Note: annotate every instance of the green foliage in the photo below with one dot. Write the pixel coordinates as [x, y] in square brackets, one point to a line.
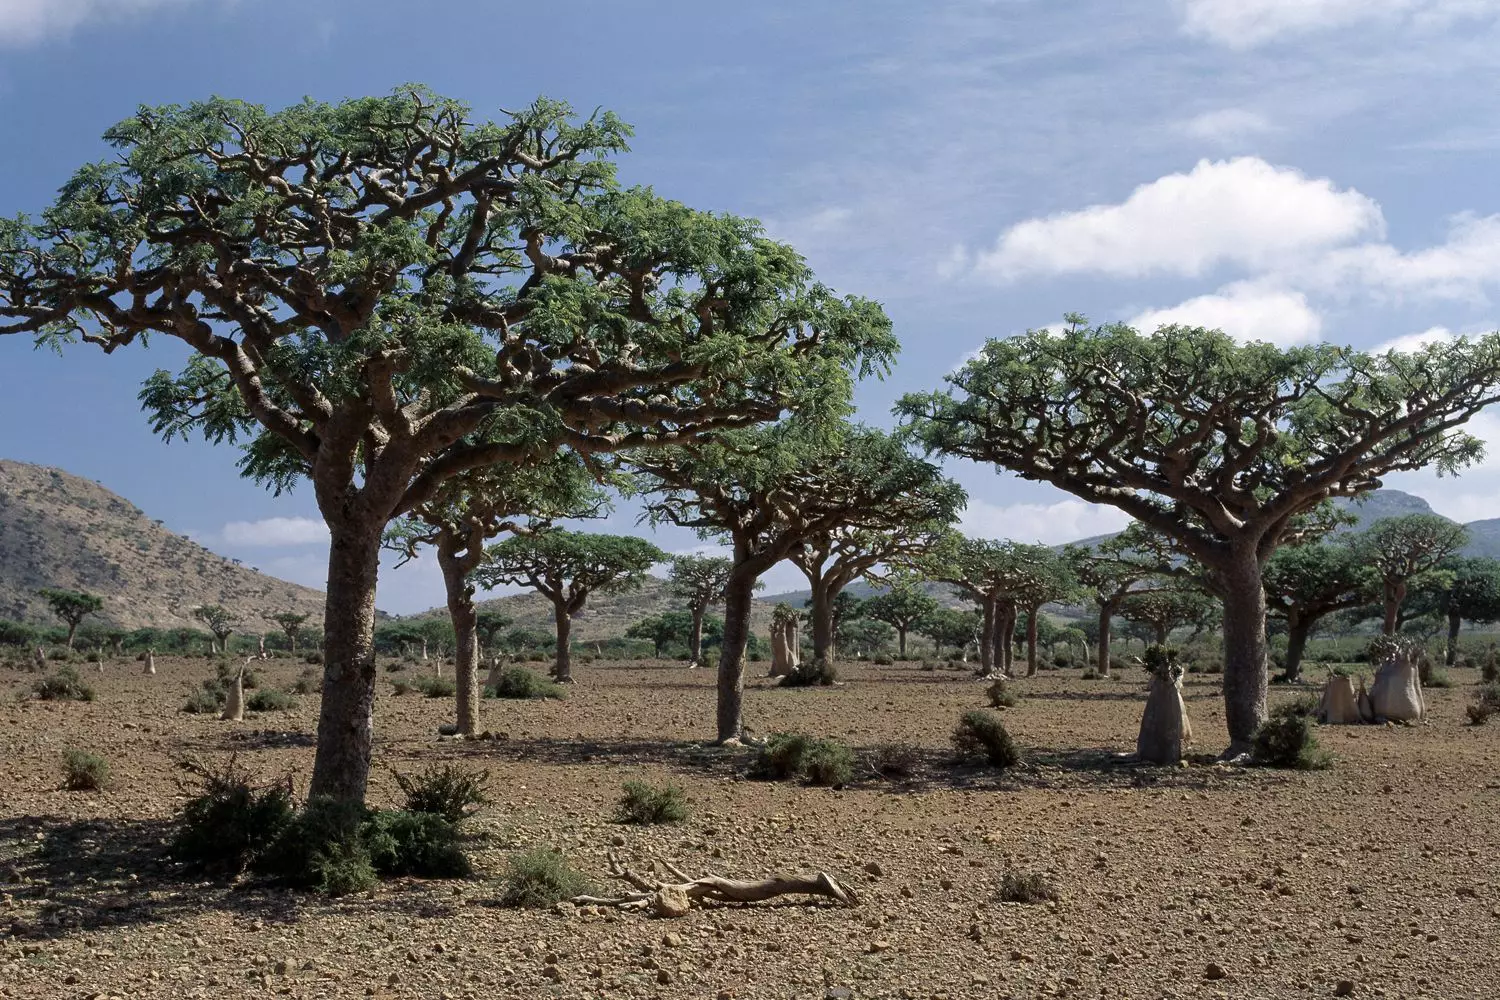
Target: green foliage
[539, 878]
[449, 791]
[644, 804]
[903, 606]
[518, 682]
[63, 684]
[828, 763]
[949, 627]
[433, 686]
[569, 563]
[1288, 741]
[225, 671]
[271, 700]
[84, 771]
[1301, 706]
[1485, 704]
[818, 761]
[219, 619]
[781, 757]
[1000, 695]
[231, 822]
[207, 699]
[982, 734]
[675, 628]
[699, 580]
[812, 673]
[414, 842]
[72, 606]
[1030, 888]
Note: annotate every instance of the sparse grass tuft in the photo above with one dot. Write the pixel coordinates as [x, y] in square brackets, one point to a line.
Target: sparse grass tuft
[644, 804]
[539, 878]
[231, 822]
[449, 791]
[815, 673]
[1030, 888]
[894, 760]
[84, 771]
[1302, 706]
[307, 683]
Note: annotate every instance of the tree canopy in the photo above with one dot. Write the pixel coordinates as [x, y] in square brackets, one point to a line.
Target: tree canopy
[902, 606]
[1306, 583]
[1402, 551]
[71, 606]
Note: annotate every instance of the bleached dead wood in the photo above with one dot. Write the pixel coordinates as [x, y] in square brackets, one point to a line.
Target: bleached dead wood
[674, 899]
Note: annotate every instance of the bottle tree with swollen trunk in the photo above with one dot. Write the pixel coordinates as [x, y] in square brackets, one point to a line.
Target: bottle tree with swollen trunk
[566, 567]
[1306, 583]
[464, 514]
[765, 493]
[383, 293]
[1404, 550]
[1221, 446]
[902, 525]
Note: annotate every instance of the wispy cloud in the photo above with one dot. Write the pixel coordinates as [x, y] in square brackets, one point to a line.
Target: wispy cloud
[1050, 524]
[276, 532]
[1244, 24]
[1228, 126]
[1245, 310]
[26, 22]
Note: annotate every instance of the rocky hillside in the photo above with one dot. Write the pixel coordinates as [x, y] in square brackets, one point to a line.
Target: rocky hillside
[57, 530]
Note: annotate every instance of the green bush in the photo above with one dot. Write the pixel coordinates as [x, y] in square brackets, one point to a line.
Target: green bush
[1486, 703]
[1489, 669]
[539, 878]
[884, 660]
[1302, 706]
[1000, 694]
[340, 868]
[307, 683]
[1289, 742]
[449, 791]
[828, 763]
[402, 687]
[518, 682]
[231, 822]
[644, 804]
[225, 671]
[402, 842]
[781, 757]
[271, 700]
[205, 700]
[894, 760]
[84, 771]
[63, 684]
[982, 734]
[812, 673]
[322, 848]
[1029, 888]
[314, 658]
[436, 687]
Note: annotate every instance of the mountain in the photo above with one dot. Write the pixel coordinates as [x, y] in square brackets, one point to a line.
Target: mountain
[1381, 504]
[57, 530]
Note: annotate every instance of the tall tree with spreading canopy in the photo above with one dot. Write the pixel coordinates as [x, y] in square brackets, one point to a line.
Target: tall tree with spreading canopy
[220, 621]
[1160, 611]
[383, 293]
[1225, 448]
[1306, 583]
[465, 513]
[1471, 593]
[903, 606]
[699, 580]
[902, 525]
[71, 607]
[987, 572]
[291, 623]
[1042, 576]
[566, 567]
[951, 627]
[1402, 551]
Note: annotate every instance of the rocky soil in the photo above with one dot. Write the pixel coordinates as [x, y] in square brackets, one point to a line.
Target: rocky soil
[1374, 879]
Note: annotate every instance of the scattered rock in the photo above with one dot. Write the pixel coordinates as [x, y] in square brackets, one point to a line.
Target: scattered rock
[1215, 971]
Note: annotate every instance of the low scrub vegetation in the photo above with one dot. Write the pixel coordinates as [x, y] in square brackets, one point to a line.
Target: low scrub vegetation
[646, 804]
[814, 673]
[894, 760]
[518, 682]
[1288, 741]
[433, 686]
[1000, 695]
[449, 791]
[1029, 888]
[982, 734]
[271, 700]
[84, 771]
[539, 878]
[63, 684]
[1485, 704]
[796, 755]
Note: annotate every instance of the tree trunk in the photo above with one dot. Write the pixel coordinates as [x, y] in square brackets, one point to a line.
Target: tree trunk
[1296, 641]
[901, 640]
[1106, 616]
[738, 596]
[1031, 664]
[1455, 622]
[72, 628]
[346, 721]
[987, 640]
[291, 638]
[562, 666]
[695, 641]
[466, 638]
[1005, 635]
[1162, 633]
[1245, 671]
[821, 613]
[1395, 593]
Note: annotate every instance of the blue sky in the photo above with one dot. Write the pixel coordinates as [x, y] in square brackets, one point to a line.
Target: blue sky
[1288, 170]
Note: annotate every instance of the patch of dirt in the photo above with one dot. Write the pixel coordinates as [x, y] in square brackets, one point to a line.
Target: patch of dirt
[1200, 881]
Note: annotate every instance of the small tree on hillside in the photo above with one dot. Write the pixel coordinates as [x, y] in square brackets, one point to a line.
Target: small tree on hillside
[489, 626]
[220, 621]
[1306, 583]
[671, 627]
[1223, 447]
[566, 567]
[1401, 551]
[699, 580]
[904, 607]
[291, 623]
[72, 606]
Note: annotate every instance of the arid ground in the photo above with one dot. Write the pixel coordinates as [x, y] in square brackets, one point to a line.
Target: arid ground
[1204, 881]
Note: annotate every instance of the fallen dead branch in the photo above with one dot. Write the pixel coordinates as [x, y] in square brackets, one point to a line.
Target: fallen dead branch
[675, 899]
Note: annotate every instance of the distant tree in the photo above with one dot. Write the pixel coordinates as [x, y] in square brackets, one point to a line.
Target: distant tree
[917, 506]
[904, 606]
[699, 580]
[988, 572]
[1110, 571]
[1306, 583]
[1042, 576]
[1159, 613]
[1468, 591]
[676, 627]
[866, 637]
[526, 640]
[291, 623]
[489, 626]
[72, 606]
[366, 289]
[951, 627]
[220, 621]
[1402, 551]
[1226, 448]
[16, 633]
[567, 567]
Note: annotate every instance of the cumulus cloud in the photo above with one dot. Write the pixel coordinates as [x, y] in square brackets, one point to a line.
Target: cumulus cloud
[25, 22]
[1228, 126]
[1415, 341]
[1051, 524]
[276, 532]
[1246, 311]
[1244, 24]
[1243, 212]
[1459, 268]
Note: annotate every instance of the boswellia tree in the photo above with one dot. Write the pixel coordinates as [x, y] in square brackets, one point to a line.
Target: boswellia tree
[699, 580]
[383, 293]
[1223, 447]
[72, 606]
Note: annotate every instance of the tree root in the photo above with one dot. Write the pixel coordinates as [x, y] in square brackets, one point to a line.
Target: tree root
[675, 899]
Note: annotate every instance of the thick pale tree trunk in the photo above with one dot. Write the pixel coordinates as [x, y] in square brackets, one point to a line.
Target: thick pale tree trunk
[695, 641]
[1297, 631]
[738, 596]
[1245, 670]
[466, 637]
[1395, 593]
[346, 721]
[821, 613]
[1106, 618]
[562, 666]
[987, 639]
[1031, 629]
[1455, 622]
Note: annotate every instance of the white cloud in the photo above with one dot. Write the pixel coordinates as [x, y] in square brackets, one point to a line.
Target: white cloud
[1228, 126]
[1243, 211]
[1414, 341]
[276, 532]
[1244, 24]
[1051, 524]
[24, 22]
[1246, 311]
[1459, 268]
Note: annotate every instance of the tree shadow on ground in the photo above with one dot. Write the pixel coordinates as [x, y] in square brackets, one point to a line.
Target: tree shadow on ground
[70, 876]
[679, 756]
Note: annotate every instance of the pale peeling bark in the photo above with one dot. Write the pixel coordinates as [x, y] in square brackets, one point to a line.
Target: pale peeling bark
[675, 899]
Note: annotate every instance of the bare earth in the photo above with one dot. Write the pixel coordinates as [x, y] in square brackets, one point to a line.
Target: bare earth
[1380, 872]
